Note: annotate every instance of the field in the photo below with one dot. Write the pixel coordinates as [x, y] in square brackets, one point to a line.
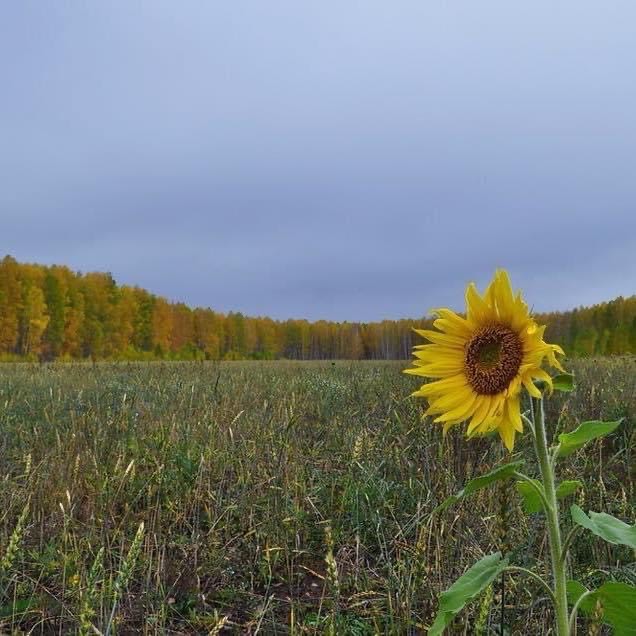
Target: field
[276, 498]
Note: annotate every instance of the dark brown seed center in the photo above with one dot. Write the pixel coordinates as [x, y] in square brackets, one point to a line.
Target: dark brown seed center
[493, 357]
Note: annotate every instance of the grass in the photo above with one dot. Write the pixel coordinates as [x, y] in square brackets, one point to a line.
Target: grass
[273, 498]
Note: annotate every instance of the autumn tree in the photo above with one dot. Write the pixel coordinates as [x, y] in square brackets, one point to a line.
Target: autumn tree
[56, 308]
[53, 311]
[162, 323]
[10, 304]
[33, 319]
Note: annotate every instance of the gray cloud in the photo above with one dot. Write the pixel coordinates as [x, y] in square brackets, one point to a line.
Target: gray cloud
[323, 160]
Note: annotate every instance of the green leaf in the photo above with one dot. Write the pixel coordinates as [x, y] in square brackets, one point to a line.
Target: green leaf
[568, 487]
[563, 382]
[610, 528]
[502, 472]
[465, 589]
[574, 591]
[587, 431]
[619, 606]
[617, 601]
[531, 500]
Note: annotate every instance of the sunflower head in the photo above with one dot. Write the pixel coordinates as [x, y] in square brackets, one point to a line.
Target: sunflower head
[480, 363]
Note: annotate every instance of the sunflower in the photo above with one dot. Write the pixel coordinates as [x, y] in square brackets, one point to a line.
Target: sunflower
[480, 363]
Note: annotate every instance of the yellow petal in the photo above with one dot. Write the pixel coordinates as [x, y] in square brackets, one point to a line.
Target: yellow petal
[521, 312]
[442, 386]
[460, 412]
[540, 374]
[477, 309]
[415, 371]
[507, 434]
[529, 384]
[513, 413]
[451, 322]
[439, 370]
[481, 412]
[440, 354]
[491, 420]
[504, 298]
[452, 400]
[441, 338]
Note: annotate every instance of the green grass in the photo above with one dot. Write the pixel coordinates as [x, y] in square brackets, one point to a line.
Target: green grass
[276, 498]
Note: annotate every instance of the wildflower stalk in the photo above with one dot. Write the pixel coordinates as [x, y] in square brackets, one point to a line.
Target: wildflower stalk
[89, 596]
[552, 518]
[123, 577]
[332, 579]
[12, 551]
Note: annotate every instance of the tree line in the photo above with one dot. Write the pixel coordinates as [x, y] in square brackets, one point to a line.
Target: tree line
[52, 312]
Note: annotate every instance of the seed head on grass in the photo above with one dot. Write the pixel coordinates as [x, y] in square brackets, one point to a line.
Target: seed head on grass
[123, 576]
[333, 582]
[12, 552]
[484, 612]
[89, 596]
[13, 549]
[332, 566]
[219, 624]
[27, 465]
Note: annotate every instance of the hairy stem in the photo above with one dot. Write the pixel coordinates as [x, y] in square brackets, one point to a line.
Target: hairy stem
[552, 518]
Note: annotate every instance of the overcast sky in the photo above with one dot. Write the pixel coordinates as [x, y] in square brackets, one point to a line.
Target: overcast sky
[340, 160]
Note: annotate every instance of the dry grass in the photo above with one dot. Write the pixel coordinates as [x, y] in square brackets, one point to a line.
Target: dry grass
[275, 498]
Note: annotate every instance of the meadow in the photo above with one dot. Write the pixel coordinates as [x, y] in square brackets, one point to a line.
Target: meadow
[275, 498]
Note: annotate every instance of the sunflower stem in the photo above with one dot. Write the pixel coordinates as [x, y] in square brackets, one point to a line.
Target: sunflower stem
[552, 518]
